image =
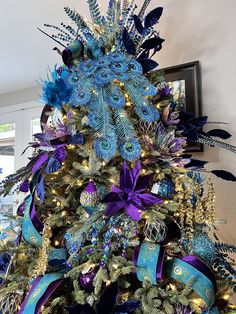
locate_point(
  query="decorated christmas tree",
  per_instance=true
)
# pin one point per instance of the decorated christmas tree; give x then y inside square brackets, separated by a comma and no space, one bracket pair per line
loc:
[117,216]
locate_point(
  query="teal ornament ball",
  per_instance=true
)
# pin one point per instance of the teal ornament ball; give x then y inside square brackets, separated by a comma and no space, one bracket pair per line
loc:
[165,189]
[89,198]
[204,248]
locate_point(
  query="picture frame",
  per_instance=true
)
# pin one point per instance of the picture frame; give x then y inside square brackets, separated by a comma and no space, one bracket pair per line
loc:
[185,81]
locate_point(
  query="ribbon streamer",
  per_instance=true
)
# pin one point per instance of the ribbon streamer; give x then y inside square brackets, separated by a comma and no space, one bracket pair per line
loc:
[182,271]
[149,260]
[31,227]
[39,293]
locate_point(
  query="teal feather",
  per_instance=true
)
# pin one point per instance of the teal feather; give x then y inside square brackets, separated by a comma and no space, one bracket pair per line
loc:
[143,107]
[123,127]
[94,11]
[105,126]
[76,18]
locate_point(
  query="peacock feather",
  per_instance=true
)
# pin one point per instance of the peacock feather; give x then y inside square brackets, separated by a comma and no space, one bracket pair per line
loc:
[106,66]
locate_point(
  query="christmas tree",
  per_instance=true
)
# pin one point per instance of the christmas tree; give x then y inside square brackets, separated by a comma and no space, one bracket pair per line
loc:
[117,216]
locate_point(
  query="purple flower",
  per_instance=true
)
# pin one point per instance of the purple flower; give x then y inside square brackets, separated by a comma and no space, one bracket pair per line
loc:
[131,195]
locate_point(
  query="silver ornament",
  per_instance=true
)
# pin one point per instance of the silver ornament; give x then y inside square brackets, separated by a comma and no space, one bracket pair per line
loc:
[155,230]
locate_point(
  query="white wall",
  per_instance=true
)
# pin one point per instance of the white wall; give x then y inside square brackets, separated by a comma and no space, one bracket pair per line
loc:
[204,30]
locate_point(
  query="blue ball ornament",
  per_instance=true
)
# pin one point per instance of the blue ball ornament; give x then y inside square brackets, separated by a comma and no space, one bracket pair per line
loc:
[164,189]
[204,248]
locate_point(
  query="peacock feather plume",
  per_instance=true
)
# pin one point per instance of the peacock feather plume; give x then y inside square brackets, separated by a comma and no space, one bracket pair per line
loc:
[105,67]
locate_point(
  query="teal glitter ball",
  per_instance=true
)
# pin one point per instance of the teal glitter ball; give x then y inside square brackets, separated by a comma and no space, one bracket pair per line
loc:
[165,189]
[204,248]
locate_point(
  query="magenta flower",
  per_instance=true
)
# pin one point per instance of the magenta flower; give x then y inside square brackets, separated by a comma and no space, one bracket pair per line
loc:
[131,195]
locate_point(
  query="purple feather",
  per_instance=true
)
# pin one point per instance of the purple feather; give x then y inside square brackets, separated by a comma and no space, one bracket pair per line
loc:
[39,161]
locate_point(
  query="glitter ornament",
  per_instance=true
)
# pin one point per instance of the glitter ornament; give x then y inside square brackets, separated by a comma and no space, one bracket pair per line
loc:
[86,280]
[89,197]
[164,189]
[204,248]
[155,230]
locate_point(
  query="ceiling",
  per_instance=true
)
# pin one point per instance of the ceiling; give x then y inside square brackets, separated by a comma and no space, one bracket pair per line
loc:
[25,52]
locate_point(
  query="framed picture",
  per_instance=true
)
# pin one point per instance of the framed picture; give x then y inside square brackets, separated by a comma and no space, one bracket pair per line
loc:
[185,82]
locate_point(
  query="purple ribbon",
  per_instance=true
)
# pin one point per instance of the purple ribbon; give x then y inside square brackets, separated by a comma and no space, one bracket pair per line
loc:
[202,267]
[40,291]
[35,220]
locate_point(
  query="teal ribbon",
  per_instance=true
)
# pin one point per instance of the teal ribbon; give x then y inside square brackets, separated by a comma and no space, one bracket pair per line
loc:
[40,291]
[183,272]
[29,231]
[32,236]
[147,261]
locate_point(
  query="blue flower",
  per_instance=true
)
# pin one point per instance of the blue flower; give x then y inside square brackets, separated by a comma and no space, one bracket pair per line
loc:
[116,100]
[88,67]
[147,113]
[130,150]
[105,148]
[103,77]
[57,93]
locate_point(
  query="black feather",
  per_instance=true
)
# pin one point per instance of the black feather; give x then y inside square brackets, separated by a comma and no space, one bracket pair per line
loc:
[225,175]
[148,64]
[196,163]
[152,43]
[143,54]
[219,133]
[138,24]
[128,43]
[153,17]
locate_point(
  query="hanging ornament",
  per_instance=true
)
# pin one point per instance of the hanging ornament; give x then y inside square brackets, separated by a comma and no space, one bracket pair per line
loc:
[86,279]
[149,259]
[164,188]
[155,230]
[89,197]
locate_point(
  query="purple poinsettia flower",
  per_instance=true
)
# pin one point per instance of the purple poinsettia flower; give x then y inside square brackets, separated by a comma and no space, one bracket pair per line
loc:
[131,195]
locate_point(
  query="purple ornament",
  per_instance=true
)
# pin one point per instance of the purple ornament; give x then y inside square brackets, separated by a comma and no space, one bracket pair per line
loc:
[86,280]
[89,197]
